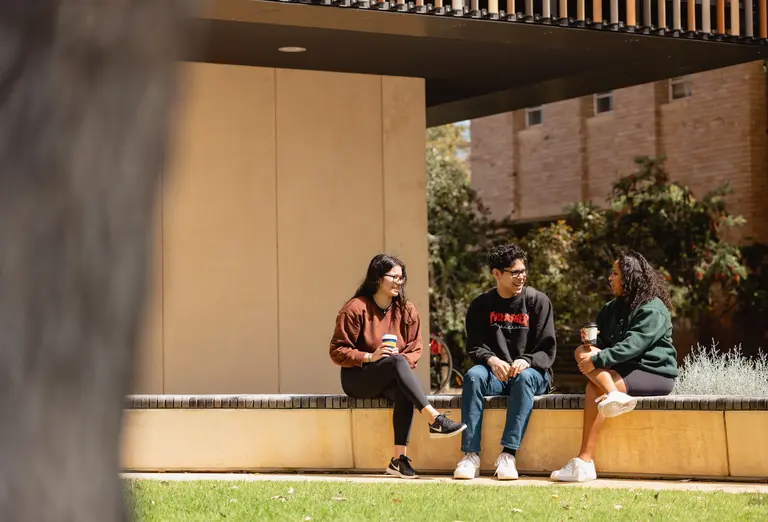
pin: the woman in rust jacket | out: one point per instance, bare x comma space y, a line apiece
372, 368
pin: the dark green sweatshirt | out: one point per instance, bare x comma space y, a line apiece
639, 339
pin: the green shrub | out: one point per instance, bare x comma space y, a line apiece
752, 293
555, 269
679, 234
459, 235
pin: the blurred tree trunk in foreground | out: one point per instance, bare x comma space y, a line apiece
86, 90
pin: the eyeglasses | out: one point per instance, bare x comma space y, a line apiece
516, 273
395, 278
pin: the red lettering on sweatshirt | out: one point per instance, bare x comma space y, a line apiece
517, 319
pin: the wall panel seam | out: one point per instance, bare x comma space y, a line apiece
277, 229
161, 285
383, 169
728, 469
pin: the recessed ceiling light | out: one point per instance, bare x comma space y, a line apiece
292, 49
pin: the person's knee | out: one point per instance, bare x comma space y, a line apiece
578, 352
475, 377
399, 360
477, 373
399, 364
528, 377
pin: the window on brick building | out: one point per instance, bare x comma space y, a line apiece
534, 116
603, 102
680, 88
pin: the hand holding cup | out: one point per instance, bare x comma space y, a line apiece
390, 340
589, 333
381, 352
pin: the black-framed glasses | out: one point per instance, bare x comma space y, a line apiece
516, 273
395, 278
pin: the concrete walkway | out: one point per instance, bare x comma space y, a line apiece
683, 485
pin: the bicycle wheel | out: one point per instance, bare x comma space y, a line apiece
441, 367
457, 379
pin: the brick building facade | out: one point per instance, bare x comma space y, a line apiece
712, 127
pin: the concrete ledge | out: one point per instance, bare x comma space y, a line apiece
633, 483
747, 434
553, 401
233, 440
667, 437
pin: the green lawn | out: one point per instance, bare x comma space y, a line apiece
304, 501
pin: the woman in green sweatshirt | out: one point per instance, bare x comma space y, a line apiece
634, 355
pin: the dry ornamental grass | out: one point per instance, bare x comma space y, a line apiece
709, 371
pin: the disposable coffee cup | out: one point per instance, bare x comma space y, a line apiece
590, 332
389, 340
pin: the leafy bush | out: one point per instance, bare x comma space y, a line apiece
555, 269
680, 235
459, 234
752, 293
708, 371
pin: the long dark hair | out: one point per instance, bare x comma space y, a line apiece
381, 264
640, 282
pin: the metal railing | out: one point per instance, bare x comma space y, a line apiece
720, 20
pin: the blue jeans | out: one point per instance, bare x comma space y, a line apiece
481, 382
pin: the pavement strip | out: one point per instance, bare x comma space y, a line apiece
655, 485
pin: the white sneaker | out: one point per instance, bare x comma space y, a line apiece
575, 471
468, 467
506, 467
616, 403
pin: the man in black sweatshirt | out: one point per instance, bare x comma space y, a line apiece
511, 340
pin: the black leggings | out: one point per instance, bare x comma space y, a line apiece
390, 377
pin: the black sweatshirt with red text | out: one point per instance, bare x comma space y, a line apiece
521, 327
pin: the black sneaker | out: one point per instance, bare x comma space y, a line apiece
445, 427
401, 467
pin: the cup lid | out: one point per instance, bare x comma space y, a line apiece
589, 325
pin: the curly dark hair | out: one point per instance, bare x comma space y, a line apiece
640, 281
503, 256
380, 265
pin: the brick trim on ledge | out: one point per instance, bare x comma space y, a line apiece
343, 402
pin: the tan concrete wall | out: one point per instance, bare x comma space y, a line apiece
219, 246
405, 192
148, 379
657, 443
747, 433
678, 443
372, 437
236, 439
330, 212
275, 198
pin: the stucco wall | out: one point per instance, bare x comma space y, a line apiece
281, 185
650, 443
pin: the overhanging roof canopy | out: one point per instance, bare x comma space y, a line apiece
473, 67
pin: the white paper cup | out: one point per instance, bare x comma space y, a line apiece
389, 340
590, 333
